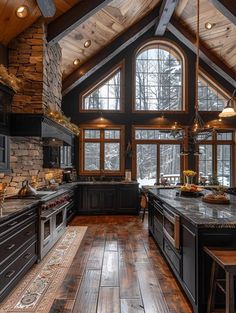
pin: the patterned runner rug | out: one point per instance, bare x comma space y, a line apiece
37, 290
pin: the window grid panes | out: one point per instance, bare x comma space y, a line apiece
105, 97
209, 98
158, 80
91, 156
224, 164
205, 162
91, 134
112, 156
155, 134
170, 163
146, 164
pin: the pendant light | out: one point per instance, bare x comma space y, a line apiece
229, 111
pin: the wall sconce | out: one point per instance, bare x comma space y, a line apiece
229, 111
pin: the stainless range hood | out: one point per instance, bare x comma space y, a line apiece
38, 125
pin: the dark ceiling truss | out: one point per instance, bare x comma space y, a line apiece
210, 59
68, 21
227, 8
110, 51
166, 11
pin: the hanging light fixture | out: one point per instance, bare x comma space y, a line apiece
198, 124
229, 111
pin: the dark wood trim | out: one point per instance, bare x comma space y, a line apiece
102, 140
166, 11
109, 52
180, 52
227, 8
211, 60
68, 21
98, 83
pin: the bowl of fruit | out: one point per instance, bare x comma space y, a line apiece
191, 190
216, 198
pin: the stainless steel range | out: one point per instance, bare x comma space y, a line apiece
53, 213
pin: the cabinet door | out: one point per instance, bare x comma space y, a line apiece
109, 199
129, 197
189, 260
94, 199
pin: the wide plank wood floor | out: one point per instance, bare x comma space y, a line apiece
118, 269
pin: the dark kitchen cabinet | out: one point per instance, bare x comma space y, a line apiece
6, 95
95, 198
19, 248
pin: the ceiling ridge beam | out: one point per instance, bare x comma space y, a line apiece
75, 16
110, 51
211, 60
166, 11
227, 8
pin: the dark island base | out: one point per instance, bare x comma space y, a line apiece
190, 265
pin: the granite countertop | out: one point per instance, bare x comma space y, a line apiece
122, 182
200, 214
16, 205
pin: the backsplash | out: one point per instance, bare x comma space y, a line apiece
26, 162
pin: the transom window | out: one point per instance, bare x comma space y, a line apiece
159, 78
102, 150
105, 95
157, 157
215, 159
210, 96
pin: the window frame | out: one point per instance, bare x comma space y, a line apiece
214, 143
99, 82
102, 142
182, 142
215, 85
180, 52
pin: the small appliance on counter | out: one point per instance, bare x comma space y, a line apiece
69, 175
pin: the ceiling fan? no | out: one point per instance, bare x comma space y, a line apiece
47, 7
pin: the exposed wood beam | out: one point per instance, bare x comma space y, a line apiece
227, 8
166, 11
109, 52
211, 60
68, 21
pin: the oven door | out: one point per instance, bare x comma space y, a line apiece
46, 232
171, 227
59, 220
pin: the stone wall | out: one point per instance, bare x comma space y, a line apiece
26, 158
39, 66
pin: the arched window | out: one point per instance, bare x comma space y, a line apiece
159, 78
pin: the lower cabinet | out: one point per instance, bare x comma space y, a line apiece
19, 248
108, 199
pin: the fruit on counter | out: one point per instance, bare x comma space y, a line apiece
190, 188
212, 196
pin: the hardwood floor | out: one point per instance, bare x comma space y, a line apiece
118, 269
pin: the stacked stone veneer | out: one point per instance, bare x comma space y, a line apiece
26, 158
39, 66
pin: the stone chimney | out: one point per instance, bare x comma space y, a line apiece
39, 66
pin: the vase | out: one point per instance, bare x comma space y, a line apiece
189, 180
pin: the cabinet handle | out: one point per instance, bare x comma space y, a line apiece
10, 274
27, 255
10, 246
13, 223
31, 213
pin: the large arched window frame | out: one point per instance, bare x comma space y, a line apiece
174, 50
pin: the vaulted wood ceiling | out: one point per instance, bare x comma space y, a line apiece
115, 18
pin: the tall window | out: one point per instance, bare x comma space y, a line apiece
159, 78
157, 156
210, 96
105, 95
102, 150
215, 159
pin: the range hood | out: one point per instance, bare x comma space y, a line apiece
38, 125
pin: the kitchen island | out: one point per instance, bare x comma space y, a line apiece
182, 226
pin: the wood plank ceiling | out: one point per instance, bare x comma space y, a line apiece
221, 39
111, 21
101, 29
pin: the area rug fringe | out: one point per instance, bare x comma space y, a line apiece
37, 290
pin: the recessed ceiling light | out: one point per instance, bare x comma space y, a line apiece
22, 11
87, 43
208, 25
76, 61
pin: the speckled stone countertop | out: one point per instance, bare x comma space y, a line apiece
13, 206
97, 182
200, 214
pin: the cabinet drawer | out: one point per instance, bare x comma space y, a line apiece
13, 270
171, 255
158, 232
13, 243
17, 221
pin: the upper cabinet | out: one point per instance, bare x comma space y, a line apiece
6, 95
